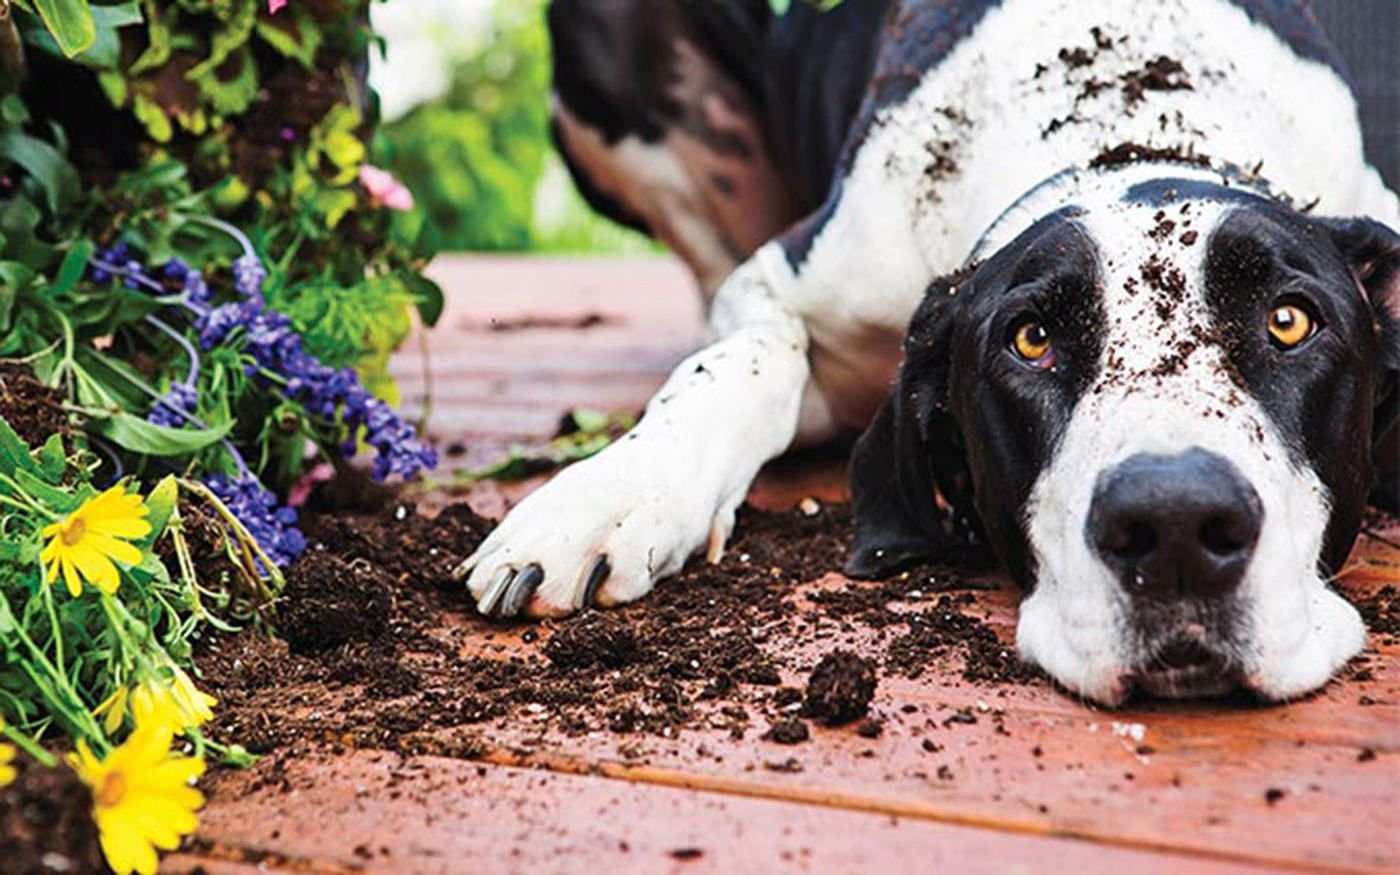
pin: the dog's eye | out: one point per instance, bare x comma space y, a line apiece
1032, 343
1290, 325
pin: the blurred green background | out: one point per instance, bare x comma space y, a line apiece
464, 89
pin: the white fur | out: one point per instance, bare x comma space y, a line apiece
828, 332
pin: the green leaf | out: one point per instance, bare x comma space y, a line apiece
60, 500
105, 51
224, 42
158, 41
229, 96
70, 22
429, 295
14, 453
149, 113
53, 459
139, 436
293, 36
71, 270
161, 501
46, 164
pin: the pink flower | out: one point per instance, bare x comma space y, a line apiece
384, 190
275, 6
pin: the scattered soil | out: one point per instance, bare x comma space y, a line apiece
536, 322
1159, 74
32, 409
936, 631
383, 649
840, 688
1381, 612
45, 824
1132, 153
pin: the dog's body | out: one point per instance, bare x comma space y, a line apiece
1104, 163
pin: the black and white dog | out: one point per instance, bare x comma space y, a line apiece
1146, 365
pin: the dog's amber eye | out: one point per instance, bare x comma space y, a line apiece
1031, 342
1290, 325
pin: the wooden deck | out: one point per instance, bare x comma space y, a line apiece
1038, 783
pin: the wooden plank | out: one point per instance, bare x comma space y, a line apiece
379, 812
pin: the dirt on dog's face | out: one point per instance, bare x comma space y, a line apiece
1158, 411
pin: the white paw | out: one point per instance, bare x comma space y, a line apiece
602, 532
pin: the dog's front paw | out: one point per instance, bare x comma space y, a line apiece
602, 533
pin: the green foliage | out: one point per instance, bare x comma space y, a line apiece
477, 158
473, 159
285, 169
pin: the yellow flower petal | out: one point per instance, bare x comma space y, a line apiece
70, 576
121, 527
96, 567
110, 547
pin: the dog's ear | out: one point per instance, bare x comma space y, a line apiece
911, 453
1373, 252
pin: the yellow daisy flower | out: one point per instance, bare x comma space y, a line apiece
178, 699
7, 756
141, 796
84, 543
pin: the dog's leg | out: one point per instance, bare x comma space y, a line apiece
604, 530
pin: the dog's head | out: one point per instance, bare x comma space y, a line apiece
1159, 411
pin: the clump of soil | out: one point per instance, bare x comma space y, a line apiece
329, 602
32, 409
840, 688
787, 731
46, 823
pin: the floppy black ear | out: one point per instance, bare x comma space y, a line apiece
1373, 251
910, 453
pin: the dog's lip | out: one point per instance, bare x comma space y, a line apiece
1186, 668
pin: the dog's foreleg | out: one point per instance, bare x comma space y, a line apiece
604, 530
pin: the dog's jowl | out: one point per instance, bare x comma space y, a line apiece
1155, 298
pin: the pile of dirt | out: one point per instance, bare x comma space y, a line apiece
383, 649
32, 409
46, 824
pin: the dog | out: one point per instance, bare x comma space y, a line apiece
1135, 281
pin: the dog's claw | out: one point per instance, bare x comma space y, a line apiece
597, 573
494, 590
464, 568
520, 591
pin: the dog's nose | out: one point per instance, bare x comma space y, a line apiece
1182, 525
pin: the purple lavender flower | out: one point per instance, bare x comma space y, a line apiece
174, 406
272, 526
270, 340
248, 275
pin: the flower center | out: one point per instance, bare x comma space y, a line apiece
112, 790
73, 531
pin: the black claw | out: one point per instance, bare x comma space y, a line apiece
596, 575
519, 590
